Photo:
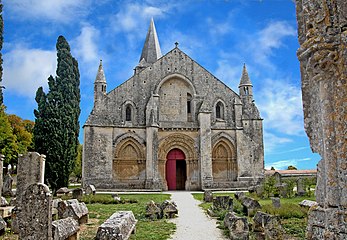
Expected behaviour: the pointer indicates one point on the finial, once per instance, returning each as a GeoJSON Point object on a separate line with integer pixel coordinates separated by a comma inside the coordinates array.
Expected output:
{"type": "Point", "coordinates": [176, 43]}
{"type": "Point", "coordinates": [100, 61]}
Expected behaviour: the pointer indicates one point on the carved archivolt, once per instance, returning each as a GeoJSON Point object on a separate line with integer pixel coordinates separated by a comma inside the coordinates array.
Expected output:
{"type": "Point", "coordinates": [180, 141]}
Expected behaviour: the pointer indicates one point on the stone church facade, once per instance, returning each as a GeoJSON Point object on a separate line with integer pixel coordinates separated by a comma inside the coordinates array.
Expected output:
{"type": "Point", "coordinates": [172, 125]}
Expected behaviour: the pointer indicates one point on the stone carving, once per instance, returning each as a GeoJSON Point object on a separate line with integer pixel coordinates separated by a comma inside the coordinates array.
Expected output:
{"type": "Point", "coordinates": [117, 227]}
{"type": "Point", "coordinates": [63, 191]}
{"type": "Point", "coordinates": [3, 202]}
{"type": "Point", "coordinates": [238, 226]}
{"type": "Point", "coordinates": [35, 213]}
{"type": "Point", "coordinates": [66, 228]}
{"type": "Point", "coordinates": [7, 186]}
{"type": "Point", "coordinates": [250, 206]}
{"type": "Point", "coordinates": [168, 209]}
{"type": "Point", "coordinates": [268, 226]}
{"type": "Point", "coordinates": [73, 208]}
{"type": "Point", "coordinates": [90, 190]}
{"type": "Point", "coordinates": [220, 203]}
{"type": "Point", "coordinates": [208, 196]}
{"type": "Point", "coordinates": [323, 59]}
{"type": "Point", "coordinates": [153, 211]}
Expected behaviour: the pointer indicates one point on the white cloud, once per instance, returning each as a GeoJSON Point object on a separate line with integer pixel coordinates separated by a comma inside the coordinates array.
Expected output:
{"type": "Point", "coordinates": [262, 45]}
{"type": "Point", "coordinates": [218, 29]}
{"type": "Point", "coordinates": [290, 150]}
{"type": "Point", "coordinates": [283, 164]}
{"type": "Point", "coordinates": [229, 73]}
{"type": "Point", "coordinates": [56, 10]}
{"type": "Point", "coordinates": [27, 69]}
{"type": "Point", "coordinates": [281, 106]}
{"type": "Point", "coordinates": [271, 142]}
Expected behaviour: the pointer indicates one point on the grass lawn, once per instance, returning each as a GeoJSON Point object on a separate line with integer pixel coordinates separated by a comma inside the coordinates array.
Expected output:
{"type": "Point", "coordinates": [293, 217]}
{"type": "Point", "coordinates": [99, 212]}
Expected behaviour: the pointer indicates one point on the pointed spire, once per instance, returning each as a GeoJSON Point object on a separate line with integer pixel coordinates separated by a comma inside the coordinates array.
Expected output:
{"type": "Point", "coordinates": [245, 81]}
{"type": "Point", "coordinates": [100, 76]}
{"type": "Point", "coordinates": [151, 50]}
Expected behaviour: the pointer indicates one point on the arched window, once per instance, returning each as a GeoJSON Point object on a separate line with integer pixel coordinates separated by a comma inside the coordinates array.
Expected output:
{"type": "Point", "coordinates": [220, 110]}
{"type": "Point", "coordinates": [128, 113]}
{"type": "Point", "coordinates": [189, 107]}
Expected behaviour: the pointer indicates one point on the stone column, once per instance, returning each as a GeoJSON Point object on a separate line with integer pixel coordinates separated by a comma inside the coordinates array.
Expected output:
{"type": "Point", "coordinates": [152, 162]}
{"type": "Point", "coordinates": [2, 158]}
{"type": "Point", "coordinates": [205, 149]}
{"type": "Point", "coordinates": [322, 54]}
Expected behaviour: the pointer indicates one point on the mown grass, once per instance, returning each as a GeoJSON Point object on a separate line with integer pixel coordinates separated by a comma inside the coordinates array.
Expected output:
{"type": "Point", "coordinates": [293, 217]}
{"type": "Point", "coordinates": [145, 228]}
{"type": "Point", "coordinates": [102, 206]}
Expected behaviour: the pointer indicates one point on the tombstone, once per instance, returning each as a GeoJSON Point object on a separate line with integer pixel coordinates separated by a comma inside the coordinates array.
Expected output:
{"type": "Point", "coordinates": [30, 170]}
{"type": "Point", "coordinates": [90, 189]}
{"type": "Point", "coordinates": [308, 203]}
{"type": "Point", "coordinates": [63, 191]}
{"type": "Point", "coordinates": [268, 226]}
{"type": "Point", "coordinates": [35, 214]}
{"type": "Point", "coordinates": [222, 203]}
{"type": "Point", "coordinates": [283, 189]}
{"type": "Point", "coordinates": [3, 226]}
{"type": "Point", "coordinates": [3, 202]}
{"type": "Point", "coordinates": [276, 202]}
{"type": "Point", "coordinates": [168, 209]}
{"type": "Point", "coordinates": [250, 206]}
{"type": "Point", "coordinates": [73, 208]}
{"type": "Point", "coordinates": [66, 228]}
{"type": "Point", "coordinates": [239, 195]}
{"type": "Point", "coordinates": [323, 60]}
{"type": "Point", "coordinates": [300, 187]}
{"type": "Point", "coordinates": [117, 227]}
{"type": "Point", "coordinates": [77, 193]}
{"type": "Point", "coordinates": [2, 158]}
{"type": "Point", "coordinates": [7, 186]}
{"type": "Point", "coordinates": [278, 180]}
{"type": "Point", "coordinates": [208, 196]}
{"type": "Point", "coordinates": [153, 211]}
{"type": "Point", "coordinates": [238, 226]}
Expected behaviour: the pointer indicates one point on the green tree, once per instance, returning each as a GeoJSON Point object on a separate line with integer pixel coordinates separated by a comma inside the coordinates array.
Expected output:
{"type": "Point", "coordinates": [56, 125]}
{"type": "Point", "coordinates": [1, 42]}
{"type": "Point", "coordinates": [8, 144]}
{"type": "Point", "coordinates": [23, 130]}
{"type": "Point", "coordinates": [272, 168]}
{"type": "Point", "coordinates": [77, 171]}
{"type": "Point", "coordinates": [291, 168]}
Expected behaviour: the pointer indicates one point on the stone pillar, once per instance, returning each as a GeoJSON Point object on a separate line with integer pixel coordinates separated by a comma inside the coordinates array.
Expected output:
{"type": "Point", "coordinates": [2, 157]}
{"type": "Point", "coordinates": [205, 149]}
{"type": "Point", "coordinates": [35, 214]}
{"type": "Point", "coordinates": [322, 54]}
{"type": "Point", "coordinates": [152, 162]}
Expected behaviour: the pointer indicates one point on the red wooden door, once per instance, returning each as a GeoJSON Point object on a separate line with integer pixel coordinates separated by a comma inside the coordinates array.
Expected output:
{"type": "Point", "coordinates": [173, 156]}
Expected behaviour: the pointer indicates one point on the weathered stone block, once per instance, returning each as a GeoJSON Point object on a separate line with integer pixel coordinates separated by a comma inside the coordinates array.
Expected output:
{"type": "Point", "coordinates": [73, 208]}
{"type": "Point", "coordinates": [63, 191]}
{"type": "Point", "coordinates": [5, 212]}
{"type": "Point", "coordinates": [77, 193]}
{"type": "Point", "coordinates": [3, 226]}
{"type": "Point", "coordinates": [208, 196]}
{"type": "Point", "coordinates": [222, 203]}
{"type": "Point", "coordinates": [238, 226]}
{"type": "Point", "coordinates": [250, 205]}
{"type": "Point", "coordinates": [117, 227]}
{"type": "Point", "coordinates": [168, 209]}
{"type": "Point", "coordinates": [276, 202]}
{"type": "Point", "coordinates": [239, 195]}
{"type": "Point", "coordinates": [269, 225]}
{"type": "Point", "coordinates": [90, 189]}
{"type": "Point", "coordinates": [65, 229]}
{"type": "Point", "coordinates": [153, 211]}
{"type": "Point", "coordinates": [7, 186]}
{"type": "Point", "coordinates": [308, 203]}
{"type": "Point", "coordinates": [3, 202]}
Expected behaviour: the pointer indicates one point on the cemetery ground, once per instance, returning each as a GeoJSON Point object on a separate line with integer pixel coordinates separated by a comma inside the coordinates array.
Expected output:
{"type": "Point", "coordinates": [101, 206]}
{"type": "Point", "coordinates": [293, 217]}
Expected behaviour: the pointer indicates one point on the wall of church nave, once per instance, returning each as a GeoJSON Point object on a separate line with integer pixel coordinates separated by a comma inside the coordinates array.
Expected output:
{"type": "Point", "coordinates": [97, 153]}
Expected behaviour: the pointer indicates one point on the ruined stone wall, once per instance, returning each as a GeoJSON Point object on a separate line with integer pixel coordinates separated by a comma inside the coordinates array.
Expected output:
{"type": "Point", "coordinates": [322, 30]}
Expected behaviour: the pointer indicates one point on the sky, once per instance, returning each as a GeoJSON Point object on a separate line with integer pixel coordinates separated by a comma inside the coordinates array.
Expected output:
{"type": "Point", "coordinates": [221, 35]}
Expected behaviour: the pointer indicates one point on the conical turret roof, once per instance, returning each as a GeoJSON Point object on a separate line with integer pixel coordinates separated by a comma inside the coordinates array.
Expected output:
{"type": "Point", "coordinates": [151, 49]}
{"type": "Point", "coordinates": [100, 76]}
{"type": "Point", "coordinates": [245, 81]}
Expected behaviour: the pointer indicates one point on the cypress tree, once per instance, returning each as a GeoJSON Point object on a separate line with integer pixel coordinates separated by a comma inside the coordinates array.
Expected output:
{"type": "Point", "coordinates": [1, 42]}
{"type": "Point", "coordinates": [56, 125]}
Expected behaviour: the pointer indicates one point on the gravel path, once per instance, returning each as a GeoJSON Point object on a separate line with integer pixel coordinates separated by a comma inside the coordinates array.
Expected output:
{"type": "Point", "coordinates": [192, 223]}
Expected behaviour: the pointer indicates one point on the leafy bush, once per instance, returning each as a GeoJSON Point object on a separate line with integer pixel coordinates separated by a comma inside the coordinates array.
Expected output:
{"type": "Point", "coordinates": [287, 210]}
{"type": "Point", "coordinates": [269, 187]}
{"type": "Point", "coordinates": [290, 187]}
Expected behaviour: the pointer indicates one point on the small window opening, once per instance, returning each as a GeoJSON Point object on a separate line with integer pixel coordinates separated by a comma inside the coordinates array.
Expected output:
{"type": "Point", "coordinates": [128, 113]}
{"type": "Point", "coordinates": [246, 90]}
{"type": "Point", "coordinates": [189, 110]}
{"type": "Point", "coordinates": [218, 115]}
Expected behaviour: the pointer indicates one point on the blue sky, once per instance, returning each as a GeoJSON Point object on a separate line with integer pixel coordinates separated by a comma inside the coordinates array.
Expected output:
{"type": "Point", "coordinates": [219, 35]}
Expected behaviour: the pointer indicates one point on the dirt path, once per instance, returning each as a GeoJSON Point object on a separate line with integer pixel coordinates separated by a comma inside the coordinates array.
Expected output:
{"type": "Point", "coordinates": [192, 223]}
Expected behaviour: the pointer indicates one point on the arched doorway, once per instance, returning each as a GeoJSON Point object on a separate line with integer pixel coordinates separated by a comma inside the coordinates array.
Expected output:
{"type": "Point", "coordinates": [176, 170]}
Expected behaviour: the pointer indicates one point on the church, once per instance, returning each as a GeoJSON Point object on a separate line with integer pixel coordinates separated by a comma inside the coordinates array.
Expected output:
{"type": "Point", "coordinates": [172, 126]}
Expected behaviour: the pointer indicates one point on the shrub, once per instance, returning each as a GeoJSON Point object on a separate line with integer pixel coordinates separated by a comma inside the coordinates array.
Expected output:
{"type": "Point", "coordinates": [287, 210]}
{"type": "Point", "coordinates": [290, 187]}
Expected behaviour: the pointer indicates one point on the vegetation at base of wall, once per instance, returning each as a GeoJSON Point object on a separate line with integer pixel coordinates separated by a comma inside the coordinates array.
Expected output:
{"type": "Point", "coordinates": [287, 210]}
{"type": "Point", "coordinates": [56, 118]}
{"type": "Point", "coordinates": [145, 229]}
